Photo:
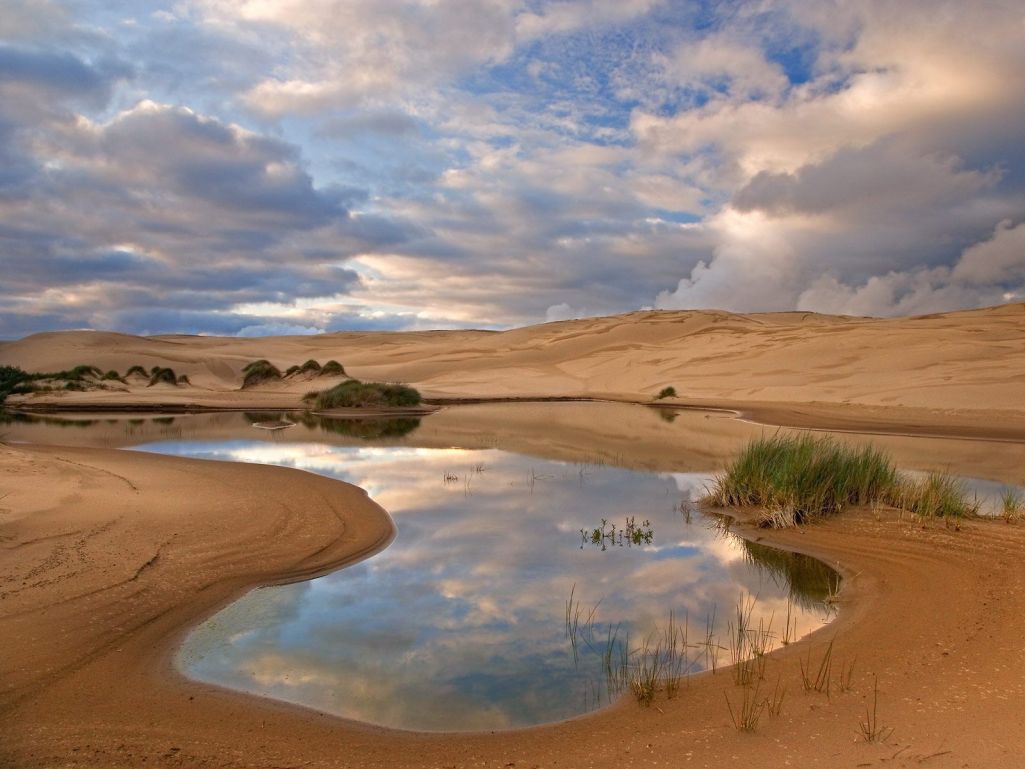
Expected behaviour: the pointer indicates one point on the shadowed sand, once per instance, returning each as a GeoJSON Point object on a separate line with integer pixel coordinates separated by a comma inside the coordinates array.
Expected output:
{"type": "Point", "coordinates": [109, 557]}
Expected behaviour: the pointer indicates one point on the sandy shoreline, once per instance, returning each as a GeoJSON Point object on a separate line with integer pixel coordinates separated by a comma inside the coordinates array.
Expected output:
{"type": "Point", "coordinates": [941, 656]}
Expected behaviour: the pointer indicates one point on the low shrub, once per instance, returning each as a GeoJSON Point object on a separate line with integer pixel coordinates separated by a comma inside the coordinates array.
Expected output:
{"type": "Point", "coordinates": [666, 392]}
{"type": "Point", "coordinates": [356, 394]}
{"type": "Point", "coordinates": [162, 376]}
{"type": "Point", "coordinates": [332, 368]}
{"type": "Point", "coordinates": [259, 371]}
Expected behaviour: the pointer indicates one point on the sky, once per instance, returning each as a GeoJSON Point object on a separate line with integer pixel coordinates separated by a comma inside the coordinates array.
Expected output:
{"type": "Point", "coordinates": [253, 167]}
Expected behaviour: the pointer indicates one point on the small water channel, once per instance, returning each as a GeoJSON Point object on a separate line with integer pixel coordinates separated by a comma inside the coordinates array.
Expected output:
{"type": "Point", "coordinates": [461, 623]}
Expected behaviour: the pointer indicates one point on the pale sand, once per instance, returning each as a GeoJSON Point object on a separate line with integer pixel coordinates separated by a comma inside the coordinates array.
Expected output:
{"type": "Point", "coordinates": [935, 371]}
{"type": "Point", "coordinates": [106, 561]}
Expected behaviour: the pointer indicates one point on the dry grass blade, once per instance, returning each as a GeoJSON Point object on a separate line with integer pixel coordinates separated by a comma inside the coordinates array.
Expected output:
{"type": "Point", "coordinates": [745, 718]}
{"type": "Point", "coordinates": [870, 728]}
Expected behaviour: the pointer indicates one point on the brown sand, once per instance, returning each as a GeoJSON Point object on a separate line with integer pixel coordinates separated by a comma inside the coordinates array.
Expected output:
{"type": "Point", "coordinates": [109, 557]}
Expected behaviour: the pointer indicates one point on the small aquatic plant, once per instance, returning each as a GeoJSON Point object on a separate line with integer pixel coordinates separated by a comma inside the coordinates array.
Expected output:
{"type": "Point", "coordinates": [608, 535]}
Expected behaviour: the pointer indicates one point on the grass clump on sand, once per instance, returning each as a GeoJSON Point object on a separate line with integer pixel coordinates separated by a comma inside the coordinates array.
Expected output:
{"type": "Point", "coordinates": [332, 368]}
{"type": "Point", "coordinates": [160, 375]}
{"type": "Point", "coordinates": [309, 367]}
{"type": "Point", "coordinates": [794, 479]}
{"type": "Point", "coordinates": [259, 371]}
{"type": "Point", "coordinates": [136, 370]}
{"type": "Point", "coordinates": [356, 394]}
{"type": "Point", "coordinates": [1012, 508]}
{"type": "Point", "coordinates": [666, 392]}
{"type": "Point", "coordinates": [13, 381]}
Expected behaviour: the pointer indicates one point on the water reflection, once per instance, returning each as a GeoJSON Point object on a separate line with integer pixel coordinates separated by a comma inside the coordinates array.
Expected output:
{"type": "Point", "coordinates": [460, 622]}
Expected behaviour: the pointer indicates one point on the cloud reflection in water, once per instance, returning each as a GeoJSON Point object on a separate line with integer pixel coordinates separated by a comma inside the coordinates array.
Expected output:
{"type": "Point", "coordinates": [460, 622]}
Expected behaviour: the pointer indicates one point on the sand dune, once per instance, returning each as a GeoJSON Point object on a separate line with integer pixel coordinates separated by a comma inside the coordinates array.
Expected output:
{"type": "Point", "coordinates": [944, 364]}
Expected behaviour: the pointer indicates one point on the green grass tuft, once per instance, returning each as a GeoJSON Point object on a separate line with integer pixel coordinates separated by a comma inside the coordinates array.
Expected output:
{"type": "Point", "coordinates": [794, 479]}
{"type": "Point", "coordinates": [355, 394]}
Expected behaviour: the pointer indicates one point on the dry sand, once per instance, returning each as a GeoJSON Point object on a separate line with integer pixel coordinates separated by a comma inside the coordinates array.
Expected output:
{"type": "Point", "coordinates": [109, 557]}
{"type": "Point", "coordinates": [918, 374]}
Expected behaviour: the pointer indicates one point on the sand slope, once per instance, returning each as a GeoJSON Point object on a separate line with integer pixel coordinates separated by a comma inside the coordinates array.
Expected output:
{"type": "Point", "coordinates": [939, 364]}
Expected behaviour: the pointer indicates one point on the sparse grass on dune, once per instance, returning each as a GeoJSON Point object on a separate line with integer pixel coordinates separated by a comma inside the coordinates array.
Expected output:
{"type": "Point", "coordinates": [259, 371]}
{"type": "Point", "coordinates": [332, 368]}
{"type": "Point", "coordinates": [162, 375]}
{"type": "Point", "coordinates": [794, 479]}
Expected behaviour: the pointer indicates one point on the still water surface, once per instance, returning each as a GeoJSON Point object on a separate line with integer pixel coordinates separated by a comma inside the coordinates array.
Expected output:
{"type": "Point", "coordinates": [460, 623]}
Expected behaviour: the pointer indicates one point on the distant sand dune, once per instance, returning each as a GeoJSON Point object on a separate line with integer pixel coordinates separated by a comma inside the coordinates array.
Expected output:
{"type": "Point", "coordinates": [961, 361]}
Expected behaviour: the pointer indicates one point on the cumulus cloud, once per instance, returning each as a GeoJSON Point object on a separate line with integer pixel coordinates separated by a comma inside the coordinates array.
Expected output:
{"type": "Point", "coordinates": [250, 166]}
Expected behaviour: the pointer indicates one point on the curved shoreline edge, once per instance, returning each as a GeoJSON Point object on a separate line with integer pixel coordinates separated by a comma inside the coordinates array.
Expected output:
{"type": "Point", "coordinates": [949, 649]}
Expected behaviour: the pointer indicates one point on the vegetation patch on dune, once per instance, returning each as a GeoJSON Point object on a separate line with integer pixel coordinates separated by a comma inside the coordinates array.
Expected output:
{"type": "Point", "coordinates": [264, 371]}
{"type": "Point", "coordinates": [794, 479]}
{"type": "Point", "coordinates": [355, 394]}
{"type": "Point", "coordinates": [258, 372]}
{"type": "Point", "coordinates": [161, 375]}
